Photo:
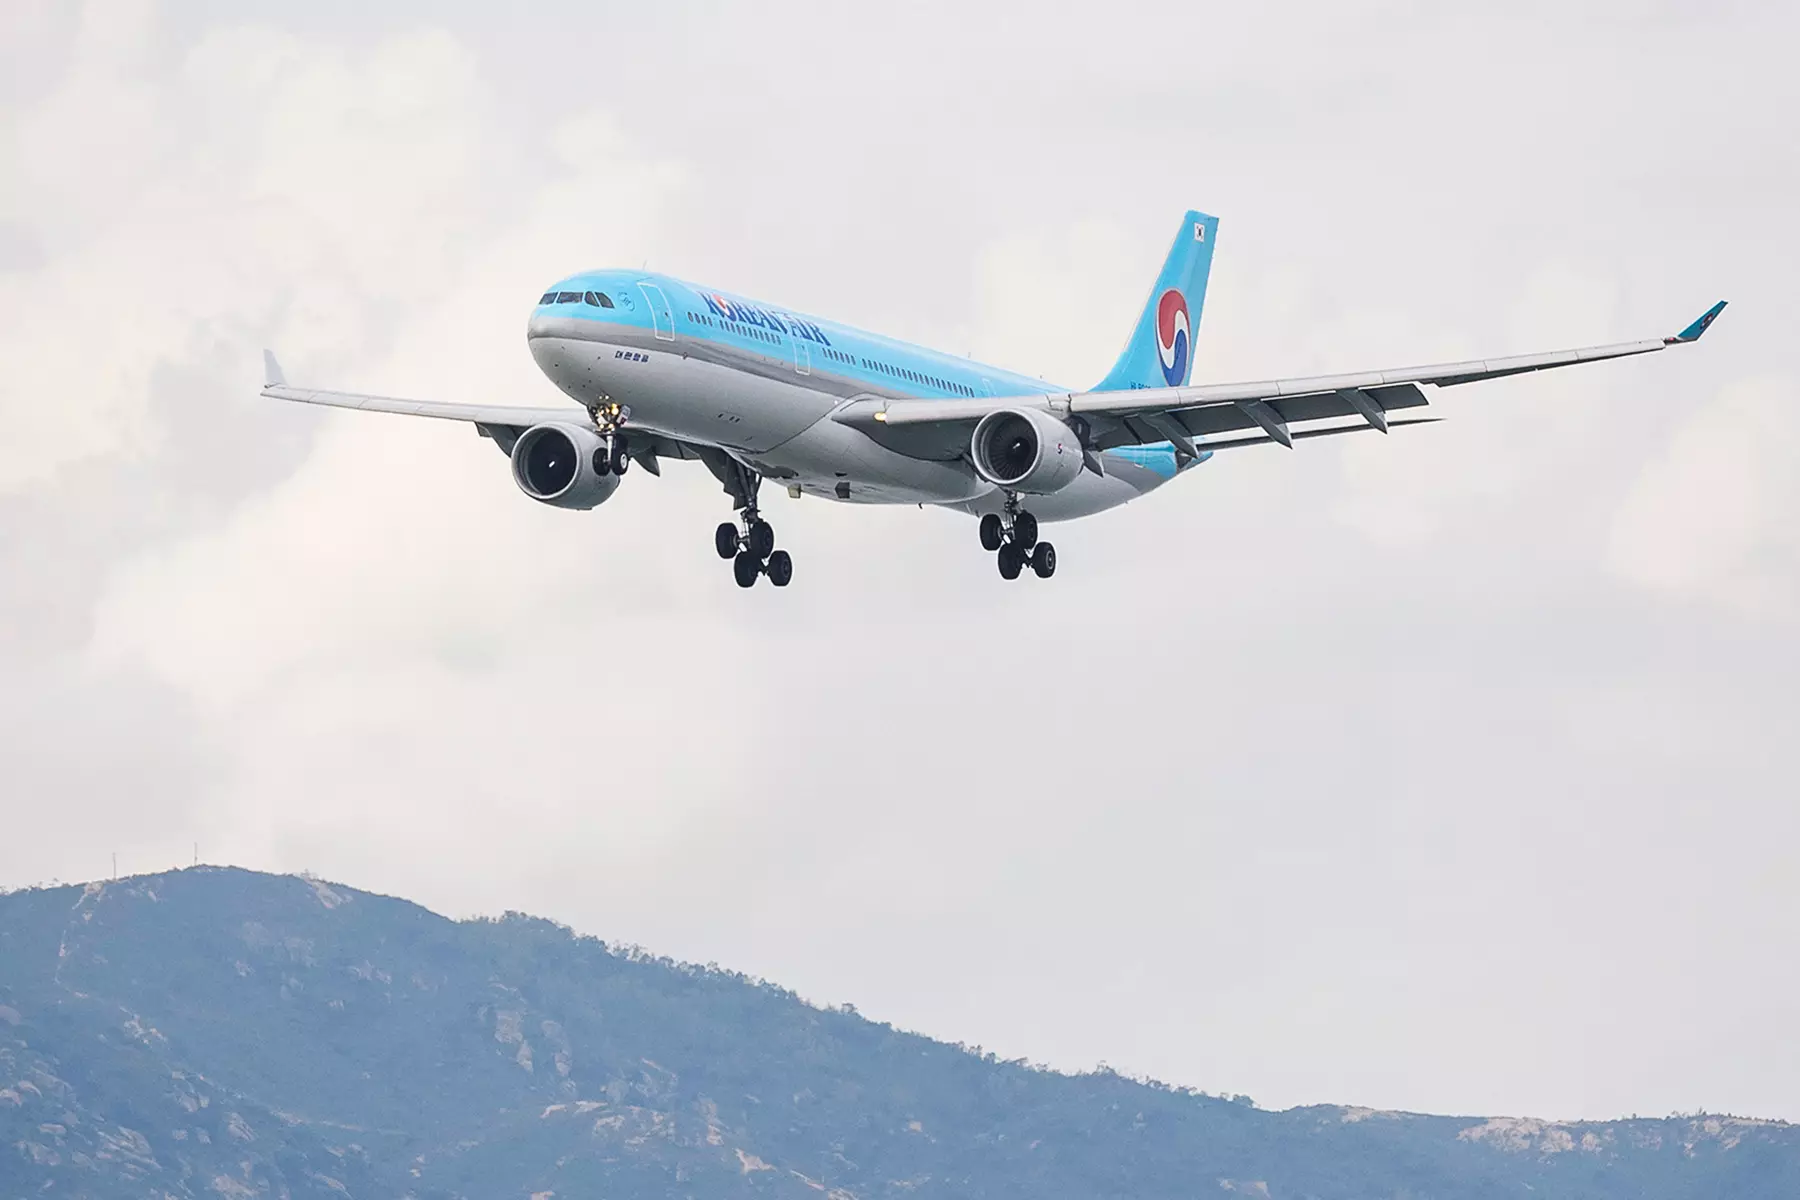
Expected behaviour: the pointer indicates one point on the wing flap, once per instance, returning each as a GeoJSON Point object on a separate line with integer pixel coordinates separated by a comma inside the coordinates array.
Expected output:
{"type": "Point", "coordinates": [1299, 434]}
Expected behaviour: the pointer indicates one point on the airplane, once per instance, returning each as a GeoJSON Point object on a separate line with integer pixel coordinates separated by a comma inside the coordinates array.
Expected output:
{"type": "Point", "coordinates": [667, 370]}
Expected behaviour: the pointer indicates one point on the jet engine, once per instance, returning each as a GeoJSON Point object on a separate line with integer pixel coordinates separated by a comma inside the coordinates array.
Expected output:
{"type": "Point", "coordinates": [554, 464]}
{"type": "Point", "coordinates": [1026, 450]}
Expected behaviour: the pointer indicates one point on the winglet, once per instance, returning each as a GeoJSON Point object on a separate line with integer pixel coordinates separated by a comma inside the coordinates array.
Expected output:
{"type": "Point", "coordinates": [1692, 332]}
{"type": "Point", "coordinates": [272, 374]}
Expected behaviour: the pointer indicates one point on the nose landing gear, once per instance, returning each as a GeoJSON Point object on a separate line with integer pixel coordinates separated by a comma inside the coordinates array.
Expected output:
{"type": "Point", "coordinates": [614, 456]}
{"type": "Point", "coordinates": [1012, 537]}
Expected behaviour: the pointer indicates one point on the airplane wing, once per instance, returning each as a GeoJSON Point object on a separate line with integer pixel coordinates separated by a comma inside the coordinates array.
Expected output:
{"type": "Point", "coordinates": [503, 423]}
{"type": "Point", "coordinates": [1189, 416]}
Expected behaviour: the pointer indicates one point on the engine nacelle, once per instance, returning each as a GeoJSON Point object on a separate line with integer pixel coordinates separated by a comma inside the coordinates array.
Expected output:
{"type": "Point", "coordinates": [1026, 450]}
{"type": "Point", "coordinates": [554, 464]}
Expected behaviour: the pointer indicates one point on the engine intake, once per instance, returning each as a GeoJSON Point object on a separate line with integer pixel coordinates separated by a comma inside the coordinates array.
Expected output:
{"type": "Point", "coordinates": [1026, 450]}
{"type": "Point", "coordinates": [554, 464]}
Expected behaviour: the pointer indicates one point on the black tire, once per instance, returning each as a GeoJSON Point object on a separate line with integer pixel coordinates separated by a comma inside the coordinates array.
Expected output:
{"type": "Point", "coordinates": [762, 539]}
{"type": "Point", "coordinates": [621, 457]}
{"type": "Point", "coordinates": [781, 568]}
{"type": "Point", "coordinates": [602, 463]}
{"type": "Point", "coordinates": [990, 532]}
{"type": "Point", "coordinates": [1011, 561]}
{"type": "Point", "coordinates": [1025, 531]}
{"type": "Point", "coordinates": [725, 540]}
{"type": "Point", "coordinates": [745, 568]}
{"type": "Point", "coordinates": [1043, 560]}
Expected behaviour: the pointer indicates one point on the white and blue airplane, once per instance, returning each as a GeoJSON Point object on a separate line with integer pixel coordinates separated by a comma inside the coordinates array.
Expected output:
{"type": "Point", "coordinates": [664, 369]}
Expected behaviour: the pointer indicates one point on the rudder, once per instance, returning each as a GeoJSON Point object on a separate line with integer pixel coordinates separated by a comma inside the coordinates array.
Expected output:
{"type": "Point", "coordinates": [1161, 350]}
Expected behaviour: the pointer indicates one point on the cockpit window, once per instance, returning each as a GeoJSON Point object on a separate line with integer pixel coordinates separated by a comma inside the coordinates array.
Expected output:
{"type": "Point", "coordinates": [599, 298]}
{"type": "Point", "coordinates": [568, 297]}
{"type": "Point", "coordinates": [548, 298]}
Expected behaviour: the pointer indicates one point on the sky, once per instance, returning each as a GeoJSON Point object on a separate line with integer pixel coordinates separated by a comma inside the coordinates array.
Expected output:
{"type": "Point", "coordinates": [1453, 771]}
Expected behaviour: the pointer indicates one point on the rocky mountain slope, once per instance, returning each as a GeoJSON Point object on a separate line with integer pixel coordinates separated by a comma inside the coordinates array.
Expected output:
{"type": "Point", "coordinates": [216, 1032]}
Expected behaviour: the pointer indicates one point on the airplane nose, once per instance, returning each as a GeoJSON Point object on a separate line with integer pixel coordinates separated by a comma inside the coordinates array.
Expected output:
{"type": "Point", "coordinates": [537, 327]}
{"type": "Point", "coordinates": [546, 350]}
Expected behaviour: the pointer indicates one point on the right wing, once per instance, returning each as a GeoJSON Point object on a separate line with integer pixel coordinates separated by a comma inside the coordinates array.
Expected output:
{"type": "Point", "coordinates": [941, 428]}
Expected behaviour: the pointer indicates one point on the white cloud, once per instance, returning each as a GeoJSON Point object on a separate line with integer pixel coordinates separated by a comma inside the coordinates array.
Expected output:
{"type": "Point", "coordinates": [367, 552]}
{"type": "Point", "coordinates": [1713, 518]}
{"type": "Point", "coordinates": [308, 190]}
{"type": "Point", "coordinates": [1049, 300]}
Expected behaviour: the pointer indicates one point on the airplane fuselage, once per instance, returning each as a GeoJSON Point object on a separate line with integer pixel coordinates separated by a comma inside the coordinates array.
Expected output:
{"type": "Point", "coordinates": [665, 368]}
{"type": "Point", "coordinates": [762, 383]}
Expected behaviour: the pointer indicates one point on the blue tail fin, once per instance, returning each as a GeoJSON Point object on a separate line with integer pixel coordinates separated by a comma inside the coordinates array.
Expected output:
{"type": "Point", "coordinates": [1161, 350]}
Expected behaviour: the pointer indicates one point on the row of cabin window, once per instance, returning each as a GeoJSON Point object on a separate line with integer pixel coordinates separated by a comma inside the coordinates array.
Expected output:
{"type": "Point", "coordinates": [597, 299]}
{"type": "Point", "coordinates": [912, 376]}
{"type": "Point", "coordinates": [917, 377]}
{"type": "Point", "coordinates": [734, 327]}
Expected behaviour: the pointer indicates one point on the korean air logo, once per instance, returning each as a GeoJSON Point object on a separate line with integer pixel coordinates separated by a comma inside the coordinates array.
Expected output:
{"type": "Point", "coordinates": [1173, 336]}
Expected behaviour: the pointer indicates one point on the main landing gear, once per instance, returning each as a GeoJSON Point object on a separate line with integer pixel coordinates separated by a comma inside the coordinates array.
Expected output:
{"type": "Point", "coordinates": [750, 545]}
{"type": "Point", "coordinates": [1012, 537]}
{"type": "Point", "coordinates": [752, 550]}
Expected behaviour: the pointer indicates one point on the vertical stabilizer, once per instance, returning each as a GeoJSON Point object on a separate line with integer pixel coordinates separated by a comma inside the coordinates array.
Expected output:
{"type": "Point", "coordinates": [1161, 350]}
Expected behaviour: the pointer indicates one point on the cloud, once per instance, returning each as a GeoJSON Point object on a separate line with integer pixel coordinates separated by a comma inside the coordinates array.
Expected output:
{"type": "Point", "coordinates": [1711, 518]}
{"type": "Point", "coordinates": [295, 165]}
{"type": "Point", "coordinates": [1500, 440]}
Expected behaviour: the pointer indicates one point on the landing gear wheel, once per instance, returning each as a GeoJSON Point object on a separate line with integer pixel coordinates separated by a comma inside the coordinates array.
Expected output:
{"type": "Point", "coordinates": [602, 462]}
{"type": "Point", "coordinates": [781, 568]}
{"type": "Point", "coordinates": [746, 567]}
{"type": "Point", "coordinates": [761, 539]}
{"type": "Point", "coordinates": [990, 532]}
{"type": "Point", "coordinates": [1043, 560]}
{"type": "Point", "coordinates": [725, 540]}
{"type": "Point", "coordinates": [621, 456]}
{"type": "Point", "coordinates": [1011, 561]}
{"type": "Point", "coordinates": [1025, 531]}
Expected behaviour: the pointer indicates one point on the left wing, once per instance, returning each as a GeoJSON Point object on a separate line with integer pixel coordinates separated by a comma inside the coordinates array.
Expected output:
{"type": "Point", "coordinates": [934, 428]}
{"type": "Point", "coordinates": [503, 423]}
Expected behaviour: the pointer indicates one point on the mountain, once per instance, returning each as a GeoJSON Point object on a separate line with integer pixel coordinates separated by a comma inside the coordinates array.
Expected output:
{"type": "Point", "coordinates": [222, 1033]}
